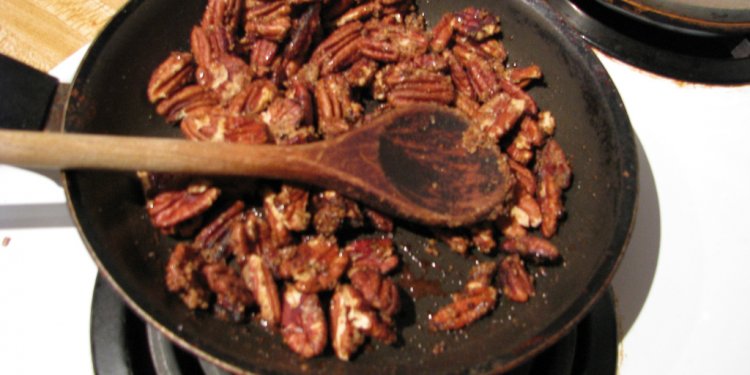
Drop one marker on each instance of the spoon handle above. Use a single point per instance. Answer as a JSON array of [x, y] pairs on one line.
[[86, 151]]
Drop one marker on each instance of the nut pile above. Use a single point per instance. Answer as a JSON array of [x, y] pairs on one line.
[[296, 71]]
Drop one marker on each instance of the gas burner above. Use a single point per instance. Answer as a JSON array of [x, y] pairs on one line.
[[689, 56], [122, 343]]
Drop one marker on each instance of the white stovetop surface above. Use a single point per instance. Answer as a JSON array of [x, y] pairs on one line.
[[682, 289]]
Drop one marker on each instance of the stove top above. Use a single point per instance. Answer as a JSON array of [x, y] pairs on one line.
[[121, 343], [704, 58]]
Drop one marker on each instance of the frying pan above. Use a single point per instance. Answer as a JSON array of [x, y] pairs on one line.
[[108, 97], [700, 17]]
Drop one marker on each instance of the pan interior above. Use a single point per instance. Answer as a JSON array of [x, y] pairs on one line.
[[109, 97]]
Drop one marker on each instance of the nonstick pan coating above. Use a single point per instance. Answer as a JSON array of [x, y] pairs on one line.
[[109, 97]]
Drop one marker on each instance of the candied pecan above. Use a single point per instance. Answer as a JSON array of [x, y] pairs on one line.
[[223, 15], [455, 239], [408, 83], [300, 94], [532, 248], [517, 93], [170, 208], [526, 212], [339, 49], [522, 77], [336, 109], [517, 284], [392, 43], [550, 204], [190, 99], [546, 122], [303, 322], [442, 32], [254, 98], [361, 73], [480, 73], [226, 76], [232, 296], [155, 183], [261, 241], [483, 238], [316, 264], [499, 115], [551, 161], [268, 20], [525, 180], [554, 173], [351, 319], [330, 211], [224, 127], [286, 211], [477, 24], [283, 118], [207, 45], [262, 54], [465, 308], [174, 73], [375, 253], [259, 280], [183, 276], [211, 233], [529, 136], [476, 300], [459, 77], [380, 292]]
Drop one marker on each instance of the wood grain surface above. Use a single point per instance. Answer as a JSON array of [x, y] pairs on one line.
[[42, 33]]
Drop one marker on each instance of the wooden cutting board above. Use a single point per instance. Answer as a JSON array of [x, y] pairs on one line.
[[42, 33]]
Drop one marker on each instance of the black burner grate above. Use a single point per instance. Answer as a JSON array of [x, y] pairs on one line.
[[123, 344], [712, 59]]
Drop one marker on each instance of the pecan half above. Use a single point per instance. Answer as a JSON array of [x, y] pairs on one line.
[[303, 322], [223, 15], [174, 73], [170, 208], [254, 98], [267, 20], [260, 281], [534, 248], [188, 100], [476, 300], [465, 308], [283, 118], [336, 109], [499, 115], [554, 173], [477, 24], [286, 211], [517, 284], [392, 43]]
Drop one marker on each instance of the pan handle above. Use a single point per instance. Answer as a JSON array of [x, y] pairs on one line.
[[26, 94]]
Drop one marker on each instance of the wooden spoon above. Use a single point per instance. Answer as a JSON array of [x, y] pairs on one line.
[[410, 162]]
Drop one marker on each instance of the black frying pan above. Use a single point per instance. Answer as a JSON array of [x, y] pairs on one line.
[[109, 97]]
